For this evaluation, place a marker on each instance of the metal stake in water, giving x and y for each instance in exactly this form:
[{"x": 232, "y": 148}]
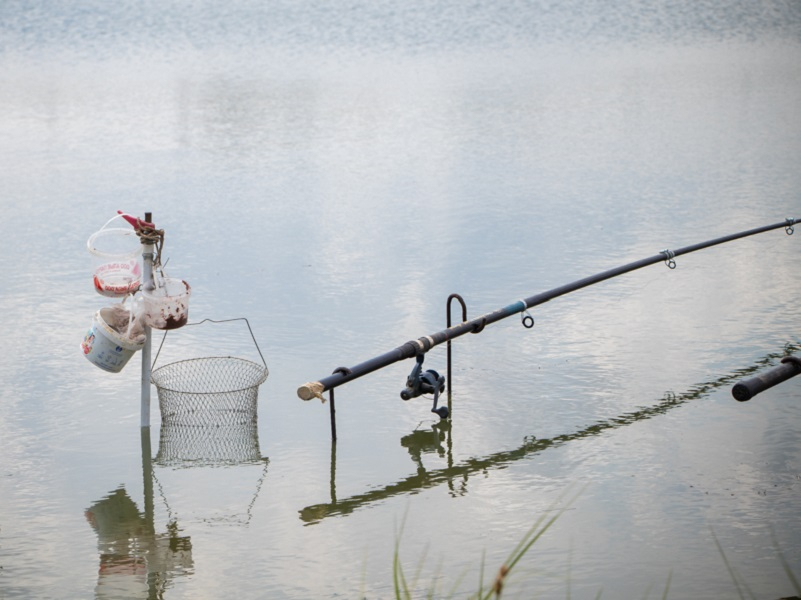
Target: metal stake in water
[{"x": 147, "y": 277}]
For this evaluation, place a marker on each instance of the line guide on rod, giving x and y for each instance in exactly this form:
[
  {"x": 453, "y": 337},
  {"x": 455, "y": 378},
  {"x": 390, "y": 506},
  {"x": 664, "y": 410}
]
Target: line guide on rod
[{"x": 414, "y": 348}]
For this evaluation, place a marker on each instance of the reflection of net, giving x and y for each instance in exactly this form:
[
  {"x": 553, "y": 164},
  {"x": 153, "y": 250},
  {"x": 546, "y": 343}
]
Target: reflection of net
[
  {"x": 209, "y": 494},
  {"x": 214, "y": 467},
  {"x": 212, "y": 391},
  {"x": 213, "y": 445}
]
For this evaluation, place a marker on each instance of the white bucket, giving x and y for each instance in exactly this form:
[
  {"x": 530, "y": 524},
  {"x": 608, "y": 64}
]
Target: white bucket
[
  {"x": 116, "y": 256},
  {"x": 105, "y": 347},
  {"x": 166, "y": 306}
]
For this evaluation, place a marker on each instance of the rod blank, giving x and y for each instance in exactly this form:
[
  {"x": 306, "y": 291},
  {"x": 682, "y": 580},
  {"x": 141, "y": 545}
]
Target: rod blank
[{"x": 314, "y": 389}]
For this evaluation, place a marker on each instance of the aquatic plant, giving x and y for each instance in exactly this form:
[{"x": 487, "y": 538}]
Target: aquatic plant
[
  {"x": 740, "y": 584},
  {"x": 404, "y": 588}
]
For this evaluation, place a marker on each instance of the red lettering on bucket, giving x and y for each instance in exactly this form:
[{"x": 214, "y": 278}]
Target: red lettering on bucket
[
  {"x": 128, "y": 285},
  {"x": 133, "y": 267}
]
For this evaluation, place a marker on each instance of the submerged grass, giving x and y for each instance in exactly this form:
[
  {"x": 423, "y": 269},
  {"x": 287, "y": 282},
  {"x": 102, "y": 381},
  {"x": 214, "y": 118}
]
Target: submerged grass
[
  {"x": 405, "y": 589},
  {"x": 788, "y": 571},
  {"x": 739, "y": 582}
]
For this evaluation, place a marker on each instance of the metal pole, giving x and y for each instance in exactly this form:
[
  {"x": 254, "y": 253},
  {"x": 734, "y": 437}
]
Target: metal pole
[
  {"x": 448, "y": 325},
  {"x": 147, "y": 277},
  {"x": 314, "y": 389},
  {"x": 147, "y": 478}
]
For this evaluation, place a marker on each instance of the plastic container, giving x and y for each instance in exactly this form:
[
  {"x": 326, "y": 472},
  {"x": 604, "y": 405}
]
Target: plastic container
[
  {"x": 116, "y": 260},
  {"x": 105, "y": 347},
  {"x": 166, "y": 306}
]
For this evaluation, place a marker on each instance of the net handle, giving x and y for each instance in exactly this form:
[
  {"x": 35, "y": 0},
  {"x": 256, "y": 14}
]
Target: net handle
[{"x": 253, "y": 337}]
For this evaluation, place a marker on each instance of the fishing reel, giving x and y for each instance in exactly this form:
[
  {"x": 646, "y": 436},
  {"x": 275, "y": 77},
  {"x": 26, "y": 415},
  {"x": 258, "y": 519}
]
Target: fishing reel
[{"x": 428, "y": 382}]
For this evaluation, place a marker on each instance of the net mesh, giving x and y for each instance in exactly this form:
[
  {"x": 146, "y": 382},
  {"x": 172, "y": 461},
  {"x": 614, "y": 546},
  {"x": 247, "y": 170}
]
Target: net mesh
[
  {"x": 182, "y": 446},
  {"x": 210, "y": 391}
]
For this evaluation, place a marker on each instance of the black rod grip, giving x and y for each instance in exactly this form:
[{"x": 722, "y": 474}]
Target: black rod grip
[{"x": 747, "y": 389}]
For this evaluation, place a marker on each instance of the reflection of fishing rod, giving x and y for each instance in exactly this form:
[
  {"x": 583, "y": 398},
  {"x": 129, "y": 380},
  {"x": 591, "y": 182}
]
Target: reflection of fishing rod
[
  {"x": 530, "y": 446},
  {"x": 414, "y": 348}
]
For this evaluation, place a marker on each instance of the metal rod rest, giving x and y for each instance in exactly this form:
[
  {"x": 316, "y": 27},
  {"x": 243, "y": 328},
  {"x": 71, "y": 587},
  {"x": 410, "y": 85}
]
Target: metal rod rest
[
  {"x": 410, "y": 349},
  {"x": 448, "y": 324}
]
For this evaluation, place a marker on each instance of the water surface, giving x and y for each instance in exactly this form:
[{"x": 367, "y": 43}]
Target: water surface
[{"x": 333, "y": 171}]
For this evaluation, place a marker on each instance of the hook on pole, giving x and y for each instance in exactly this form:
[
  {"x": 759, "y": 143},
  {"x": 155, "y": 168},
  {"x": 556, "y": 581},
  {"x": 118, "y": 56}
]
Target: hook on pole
[{"x": 479, "y": 327}]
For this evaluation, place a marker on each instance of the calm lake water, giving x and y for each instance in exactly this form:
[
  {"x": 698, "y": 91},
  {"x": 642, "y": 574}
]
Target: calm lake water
[{"x": 332, "y": 171}]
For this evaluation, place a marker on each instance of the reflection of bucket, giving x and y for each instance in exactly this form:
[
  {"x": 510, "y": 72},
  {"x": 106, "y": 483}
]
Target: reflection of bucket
[
  {"x": 115, "y": 254},
  {"x": 166, "y": 306},
  {"x": 105, "y": 347}
]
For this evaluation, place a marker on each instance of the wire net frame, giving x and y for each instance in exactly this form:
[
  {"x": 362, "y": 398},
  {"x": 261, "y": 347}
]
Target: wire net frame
[{"x": 209, "y": 391}]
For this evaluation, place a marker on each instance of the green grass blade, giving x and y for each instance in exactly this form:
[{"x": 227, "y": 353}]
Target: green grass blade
[
  {"x": 728, "y": 566},
  {"x": 667, "y": 585},
  {"x": 785, "y": 565},
  {"x": 398, "y": 578},
  {"x": 541, "y": 525}
]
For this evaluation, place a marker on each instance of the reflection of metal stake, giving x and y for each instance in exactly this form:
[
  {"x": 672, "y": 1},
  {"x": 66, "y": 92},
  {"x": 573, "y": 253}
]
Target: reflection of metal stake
[
  {"x": 147, "y": 476},
  {"x": 333, "y": 471},
  {"x": 147, "y": 273}
]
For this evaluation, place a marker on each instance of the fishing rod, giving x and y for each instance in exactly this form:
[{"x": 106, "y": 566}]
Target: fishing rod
[{"x": 417, "y": 384}]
